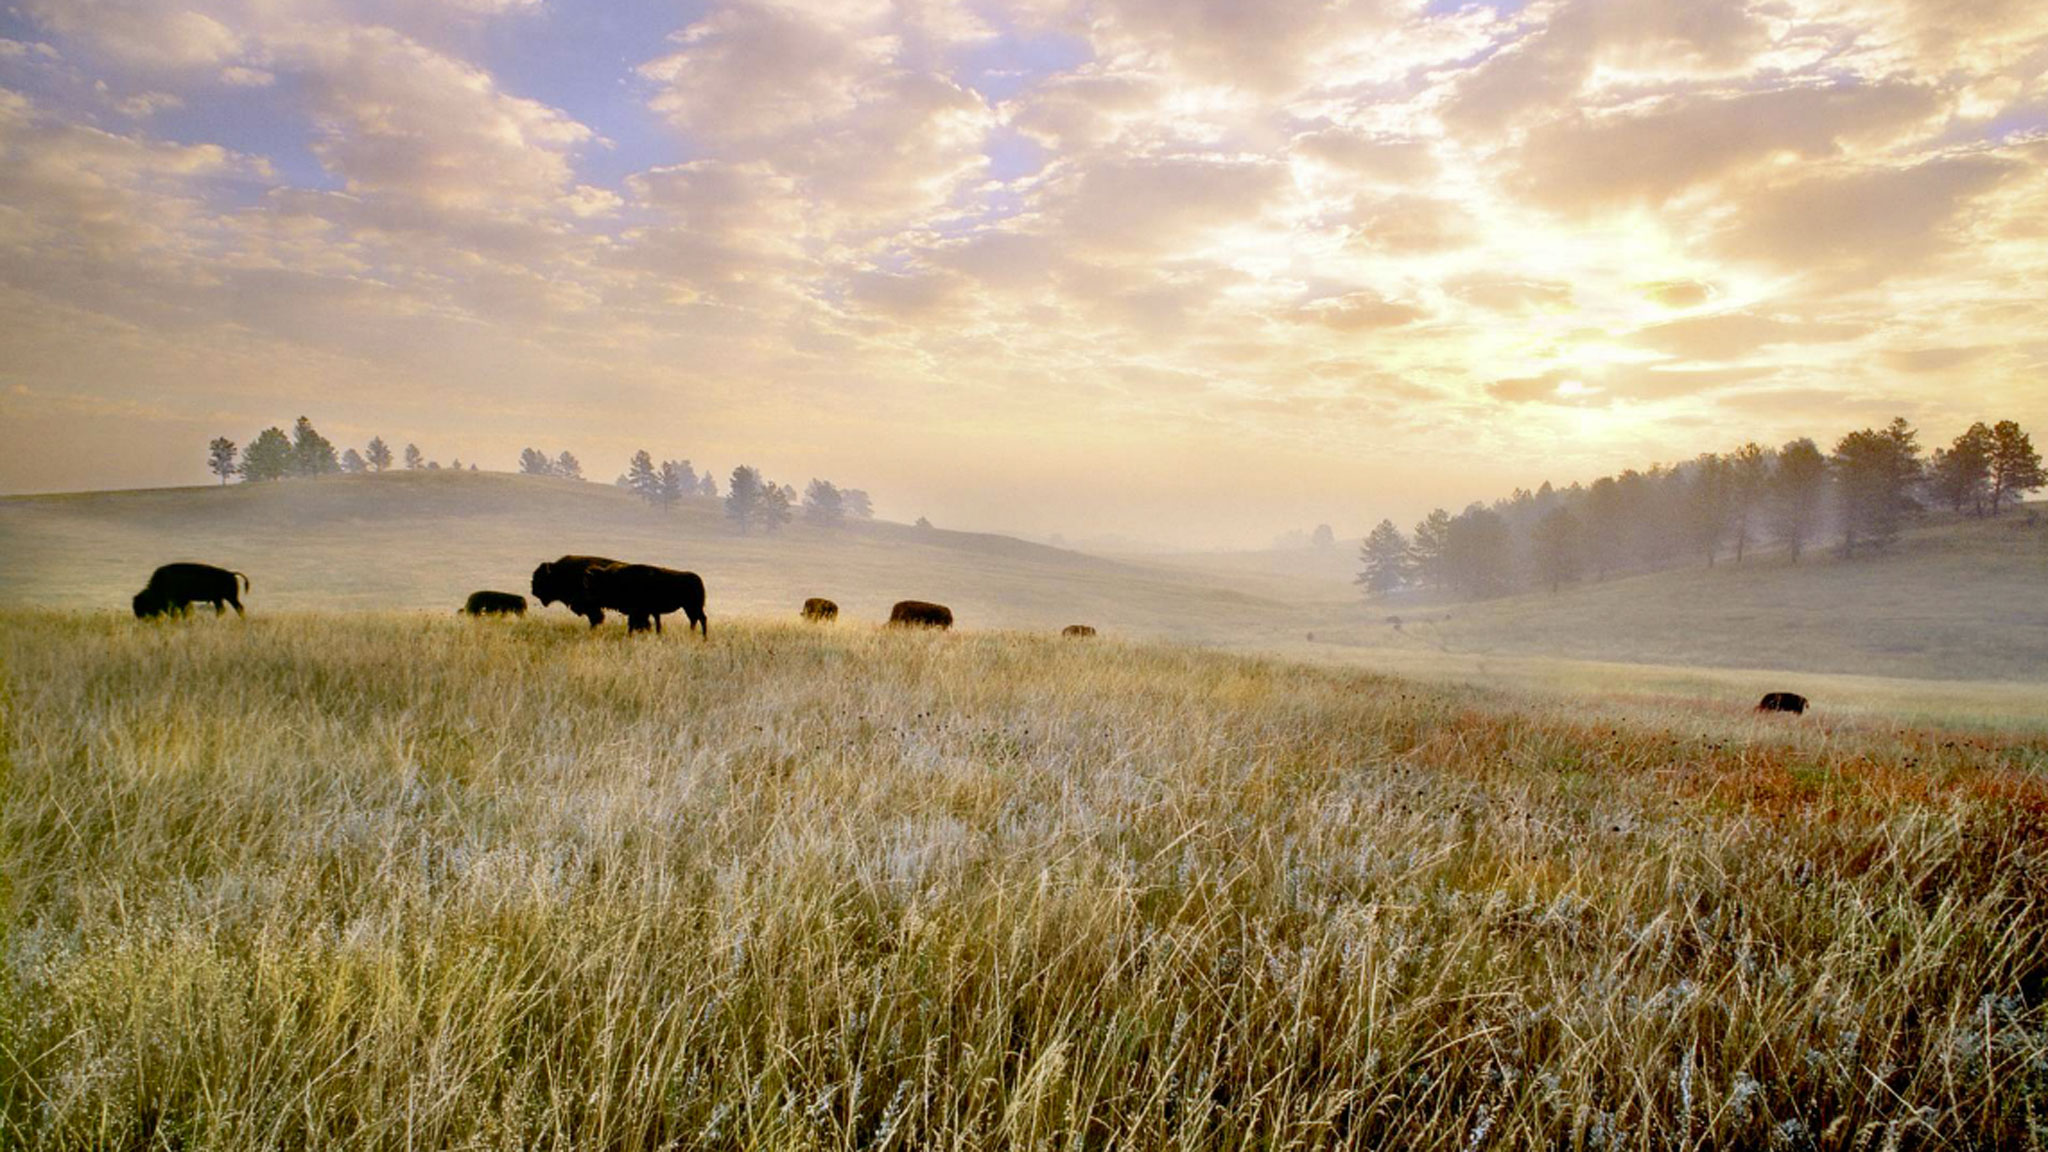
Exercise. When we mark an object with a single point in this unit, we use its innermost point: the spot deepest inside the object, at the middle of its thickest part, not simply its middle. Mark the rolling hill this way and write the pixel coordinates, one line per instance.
(424, 540)
(1960, 602)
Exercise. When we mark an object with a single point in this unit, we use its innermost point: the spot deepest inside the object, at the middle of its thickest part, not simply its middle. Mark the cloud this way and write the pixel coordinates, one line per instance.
(1732, 335)
(392, 116)
(1137, 205)
(1358, 311)
(1509, 294)
(1651, 154)
(1878, 221)
(855, 109)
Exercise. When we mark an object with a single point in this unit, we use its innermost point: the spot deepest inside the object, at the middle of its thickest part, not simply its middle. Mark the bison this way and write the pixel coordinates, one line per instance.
(563, 580)
(920, 614)
(820, 609)
(1079, 631)
(176, 587)
(495, 604)
(1791, 702)
(643, 592)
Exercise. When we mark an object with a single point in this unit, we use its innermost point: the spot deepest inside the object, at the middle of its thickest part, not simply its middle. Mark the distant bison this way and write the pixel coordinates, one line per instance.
(643, 592)
(820, 609)
(174, 588)
(563, 580)
(1077, 630)
(920, 614)
(495, 604)
(1791, 702)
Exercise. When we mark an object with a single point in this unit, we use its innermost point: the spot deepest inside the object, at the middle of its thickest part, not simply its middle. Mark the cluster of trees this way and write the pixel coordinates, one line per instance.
(276, 455)
(665, 485)
(1716, 505)
(753, 501)
(534, 462)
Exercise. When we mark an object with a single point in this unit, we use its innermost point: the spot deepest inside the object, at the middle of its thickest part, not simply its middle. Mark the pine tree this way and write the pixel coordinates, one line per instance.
(643, 478)
(708, 487)
(377, 454)
(269, 457)
(220, 458)
(1432, 533)
(1960, 476)
(534, 462)
(778, 502)
(414, 458)
(1749, 478)
(1875, 473)
(743, 495)
(857, 504)
(1387, 566)
(1706, 505)
(312, 453)
(1605, 527)
(568, 467)
(824, 504)
(672, 483)
(1797, 492)
(352, 462)
(1477, 553)
(2015, 466)
(1557, 549)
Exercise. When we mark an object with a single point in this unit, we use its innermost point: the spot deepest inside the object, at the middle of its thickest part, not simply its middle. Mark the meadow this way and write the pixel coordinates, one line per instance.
(377, 880)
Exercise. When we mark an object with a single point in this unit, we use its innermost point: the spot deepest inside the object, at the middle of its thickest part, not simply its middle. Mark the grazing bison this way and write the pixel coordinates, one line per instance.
(1791, 702)
(920, 614)
(176, 587)
(820, 609)
(644, 592)
(1077, 630)
(495, 604)
(563, 580)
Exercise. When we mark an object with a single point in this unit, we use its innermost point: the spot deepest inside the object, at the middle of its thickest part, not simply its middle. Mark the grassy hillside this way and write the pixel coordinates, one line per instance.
(424, 540)
(382, 881)
(1954, 599)
(1959, 601)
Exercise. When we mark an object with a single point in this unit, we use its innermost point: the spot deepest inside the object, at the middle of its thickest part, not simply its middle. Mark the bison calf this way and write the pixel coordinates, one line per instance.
(645, 592)
(1791, 702)
(1080, 631)
(176, 587)
(920, 614)
(563, 580)
(495, 604)
(821, 610)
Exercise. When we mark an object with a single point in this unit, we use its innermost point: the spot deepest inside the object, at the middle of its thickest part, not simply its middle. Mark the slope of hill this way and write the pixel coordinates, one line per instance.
(423, 540)
(1953, 599)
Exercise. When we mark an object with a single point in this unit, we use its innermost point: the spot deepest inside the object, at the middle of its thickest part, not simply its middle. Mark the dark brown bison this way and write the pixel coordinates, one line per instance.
(820, 609)
(1791, 702)
(920, 614)
(495, 604)
(174, 588)
(563, 580)
(643, 592)
(1081, 631)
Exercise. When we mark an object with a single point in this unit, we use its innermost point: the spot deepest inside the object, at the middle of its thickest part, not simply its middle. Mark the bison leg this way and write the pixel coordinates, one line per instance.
(700, 621)
(657, 623)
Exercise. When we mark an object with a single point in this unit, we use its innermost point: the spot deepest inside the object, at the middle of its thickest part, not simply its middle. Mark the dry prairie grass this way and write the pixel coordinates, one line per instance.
(383, 882)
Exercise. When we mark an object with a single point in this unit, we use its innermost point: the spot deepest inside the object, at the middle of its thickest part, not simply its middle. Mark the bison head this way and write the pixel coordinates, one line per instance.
(150, 602)
(544, 584)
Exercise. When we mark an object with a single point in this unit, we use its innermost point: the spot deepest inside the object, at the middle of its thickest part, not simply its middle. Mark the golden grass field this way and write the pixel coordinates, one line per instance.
(407, 881)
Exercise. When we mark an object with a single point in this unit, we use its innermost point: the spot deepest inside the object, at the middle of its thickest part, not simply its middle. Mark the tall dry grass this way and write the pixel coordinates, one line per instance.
(426, 883)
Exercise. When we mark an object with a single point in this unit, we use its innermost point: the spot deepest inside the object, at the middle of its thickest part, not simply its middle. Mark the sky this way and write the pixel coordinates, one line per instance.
(1189, 271)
